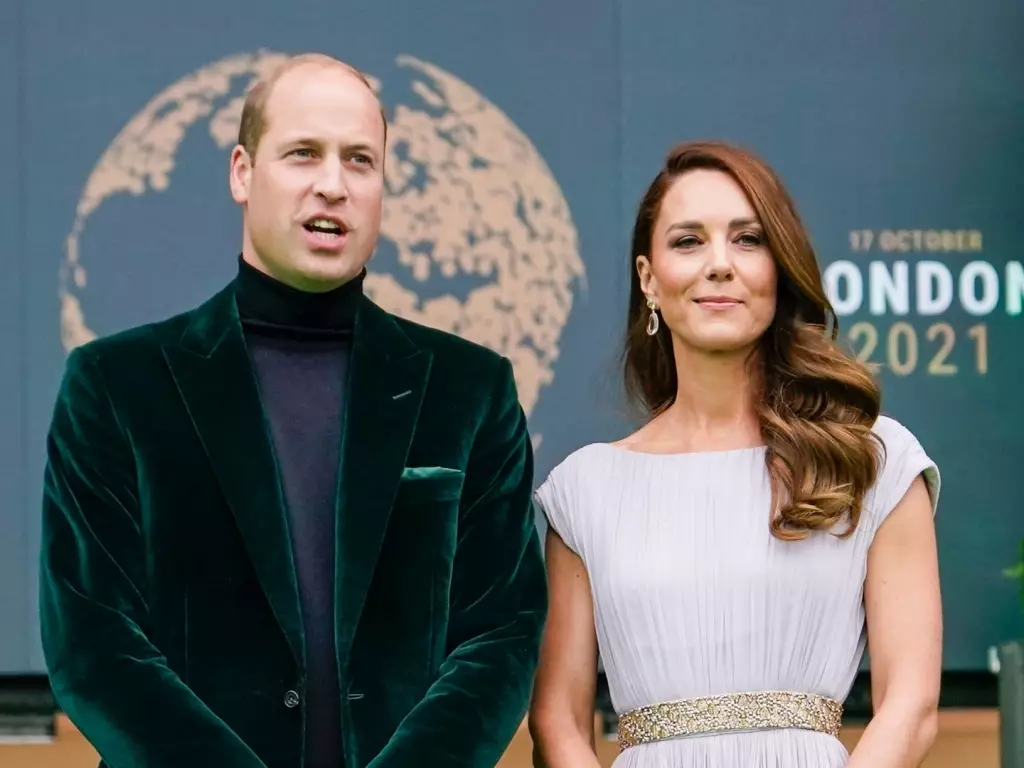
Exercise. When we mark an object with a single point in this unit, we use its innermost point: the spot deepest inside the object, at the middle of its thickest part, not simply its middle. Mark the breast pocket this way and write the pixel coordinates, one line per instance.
(426, 485)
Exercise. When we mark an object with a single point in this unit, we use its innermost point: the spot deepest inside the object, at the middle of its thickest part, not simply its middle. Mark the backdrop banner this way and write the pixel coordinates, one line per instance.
(521, 139)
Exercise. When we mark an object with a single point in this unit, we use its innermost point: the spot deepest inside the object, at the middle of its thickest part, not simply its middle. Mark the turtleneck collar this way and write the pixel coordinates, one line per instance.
(268, 303)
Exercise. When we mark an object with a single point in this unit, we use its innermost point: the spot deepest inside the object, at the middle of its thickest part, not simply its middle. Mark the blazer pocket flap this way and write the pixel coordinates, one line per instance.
(425, 473)
(423, 484)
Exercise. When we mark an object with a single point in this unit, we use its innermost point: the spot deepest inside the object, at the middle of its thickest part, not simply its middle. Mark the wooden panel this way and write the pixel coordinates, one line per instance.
(965, 738)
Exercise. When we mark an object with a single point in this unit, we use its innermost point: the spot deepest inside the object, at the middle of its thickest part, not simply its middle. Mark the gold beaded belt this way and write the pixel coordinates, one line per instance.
(731, 712)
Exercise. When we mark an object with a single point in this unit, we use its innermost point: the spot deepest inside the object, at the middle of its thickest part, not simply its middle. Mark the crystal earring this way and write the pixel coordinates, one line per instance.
(653, 323)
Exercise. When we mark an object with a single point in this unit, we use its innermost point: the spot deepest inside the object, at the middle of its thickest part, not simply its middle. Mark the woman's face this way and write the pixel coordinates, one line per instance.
(709, 270)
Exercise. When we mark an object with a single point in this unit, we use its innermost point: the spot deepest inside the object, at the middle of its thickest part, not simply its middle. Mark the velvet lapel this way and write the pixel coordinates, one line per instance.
(387, 382)
(214, 375)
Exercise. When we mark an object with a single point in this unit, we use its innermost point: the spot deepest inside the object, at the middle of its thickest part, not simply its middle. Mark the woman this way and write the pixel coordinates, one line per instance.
(731, 558)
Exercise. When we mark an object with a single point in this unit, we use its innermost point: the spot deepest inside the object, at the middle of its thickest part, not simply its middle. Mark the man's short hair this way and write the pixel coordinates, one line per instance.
(254, 116)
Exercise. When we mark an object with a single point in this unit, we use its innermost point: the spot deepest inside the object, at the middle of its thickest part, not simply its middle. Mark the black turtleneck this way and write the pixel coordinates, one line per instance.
(300, 343)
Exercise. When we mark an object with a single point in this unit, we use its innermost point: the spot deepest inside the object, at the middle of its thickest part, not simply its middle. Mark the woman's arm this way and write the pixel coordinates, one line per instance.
(562, 710)
(904, 621)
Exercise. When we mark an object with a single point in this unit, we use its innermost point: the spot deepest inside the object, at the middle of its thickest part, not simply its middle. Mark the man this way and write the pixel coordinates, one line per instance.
(287, 528)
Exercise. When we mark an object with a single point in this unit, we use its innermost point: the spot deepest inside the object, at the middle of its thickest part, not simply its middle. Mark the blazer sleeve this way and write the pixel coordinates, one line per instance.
(106, 674)
(470, 714)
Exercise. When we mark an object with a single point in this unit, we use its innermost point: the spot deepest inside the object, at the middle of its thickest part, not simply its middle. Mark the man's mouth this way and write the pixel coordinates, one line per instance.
(325, 227)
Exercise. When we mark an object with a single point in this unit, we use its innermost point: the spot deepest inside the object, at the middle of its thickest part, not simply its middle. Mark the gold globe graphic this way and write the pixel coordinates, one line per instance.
(468, 199)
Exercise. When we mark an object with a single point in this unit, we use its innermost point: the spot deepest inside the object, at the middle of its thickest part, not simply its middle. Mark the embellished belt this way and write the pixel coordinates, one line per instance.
(731, 712)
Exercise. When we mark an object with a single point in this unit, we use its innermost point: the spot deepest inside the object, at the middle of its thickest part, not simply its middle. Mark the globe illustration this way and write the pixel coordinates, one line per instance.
(476, 239)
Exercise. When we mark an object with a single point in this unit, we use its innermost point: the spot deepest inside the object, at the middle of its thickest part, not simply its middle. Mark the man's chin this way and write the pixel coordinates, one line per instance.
(318, 272)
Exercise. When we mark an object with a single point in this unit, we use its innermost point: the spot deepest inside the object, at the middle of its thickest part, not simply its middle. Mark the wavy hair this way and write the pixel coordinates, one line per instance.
(817, 404)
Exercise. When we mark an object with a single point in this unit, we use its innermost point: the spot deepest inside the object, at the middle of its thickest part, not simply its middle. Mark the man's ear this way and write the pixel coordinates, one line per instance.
(240, 174)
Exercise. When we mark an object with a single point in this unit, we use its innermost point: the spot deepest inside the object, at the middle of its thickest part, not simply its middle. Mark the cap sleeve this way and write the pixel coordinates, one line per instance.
(903, 459)
(554, 500)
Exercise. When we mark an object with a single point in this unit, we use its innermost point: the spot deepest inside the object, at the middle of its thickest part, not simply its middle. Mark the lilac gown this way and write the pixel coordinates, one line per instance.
(693, 597)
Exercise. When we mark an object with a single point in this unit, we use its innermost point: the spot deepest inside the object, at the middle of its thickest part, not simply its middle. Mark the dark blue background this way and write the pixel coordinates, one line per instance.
(875, 114)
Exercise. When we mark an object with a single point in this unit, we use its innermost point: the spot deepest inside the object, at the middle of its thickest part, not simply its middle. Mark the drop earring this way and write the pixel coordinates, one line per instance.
(653, 323)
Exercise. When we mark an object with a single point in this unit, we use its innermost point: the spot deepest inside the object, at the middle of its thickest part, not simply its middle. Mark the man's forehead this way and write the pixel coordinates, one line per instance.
(299, 94)
(321, 78)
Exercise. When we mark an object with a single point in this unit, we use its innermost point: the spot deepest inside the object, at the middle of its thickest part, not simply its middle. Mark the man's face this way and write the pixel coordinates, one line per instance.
(313, 194)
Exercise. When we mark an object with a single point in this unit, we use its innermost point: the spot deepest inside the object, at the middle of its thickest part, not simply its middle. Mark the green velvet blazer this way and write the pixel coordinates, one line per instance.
(170, 612)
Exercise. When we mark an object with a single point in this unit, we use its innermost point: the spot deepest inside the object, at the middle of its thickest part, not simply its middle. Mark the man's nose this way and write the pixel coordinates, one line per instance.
(330, 182)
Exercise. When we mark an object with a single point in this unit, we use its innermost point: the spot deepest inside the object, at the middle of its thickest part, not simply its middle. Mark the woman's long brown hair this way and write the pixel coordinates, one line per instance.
(818, 404)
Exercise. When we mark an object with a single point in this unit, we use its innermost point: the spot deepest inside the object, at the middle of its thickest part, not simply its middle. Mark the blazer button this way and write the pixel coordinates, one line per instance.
(291, 699)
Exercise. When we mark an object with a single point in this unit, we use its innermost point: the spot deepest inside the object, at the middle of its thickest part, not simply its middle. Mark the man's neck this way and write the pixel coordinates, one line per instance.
(266, 301)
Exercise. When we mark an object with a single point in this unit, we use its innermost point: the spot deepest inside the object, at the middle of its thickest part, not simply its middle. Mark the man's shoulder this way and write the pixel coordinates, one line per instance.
(462, 371)
(137, 342)
(450, 349)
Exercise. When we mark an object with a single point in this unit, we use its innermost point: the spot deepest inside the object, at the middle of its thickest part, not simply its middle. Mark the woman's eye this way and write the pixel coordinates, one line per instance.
(686, 242)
